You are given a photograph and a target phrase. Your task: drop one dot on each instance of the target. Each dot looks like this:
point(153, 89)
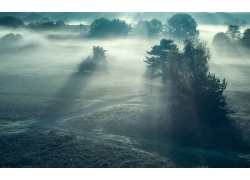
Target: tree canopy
point(105, 28)
point(233, 32)
point(158, 60)
point(11, 21)
point(246, 37)
point(182, 26)
point(220, 40)
point(199, 93)
point(147, 29)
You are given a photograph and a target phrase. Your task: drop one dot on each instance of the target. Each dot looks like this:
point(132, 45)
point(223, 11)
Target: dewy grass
point(55, 150)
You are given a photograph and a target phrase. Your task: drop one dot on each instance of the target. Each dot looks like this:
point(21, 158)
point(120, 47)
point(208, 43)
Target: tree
point(105, 28)
point(199, 93)
point(220, 40)
point(158, 59)
point(11, 21)
point(156, 26)
point(11, 39)
point(233, 32)
point(147, 29)
point(60, 23)
point(246, 38)
point(143, 29)
point(182, 26)
point(97, 62)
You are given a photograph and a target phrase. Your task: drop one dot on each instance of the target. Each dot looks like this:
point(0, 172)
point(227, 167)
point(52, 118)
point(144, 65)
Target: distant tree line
point(226, 41)
point(237, 21)
point(44, 24)
point(180, 26)
point(11, 21)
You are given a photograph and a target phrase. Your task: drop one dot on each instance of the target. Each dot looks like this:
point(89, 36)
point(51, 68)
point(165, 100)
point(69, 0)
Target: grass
point(59, 150)
point(125, 116)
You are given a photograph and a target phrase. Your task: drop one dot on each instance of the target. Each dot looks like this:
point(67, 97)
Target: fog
point(40, 89)
point(38, 50)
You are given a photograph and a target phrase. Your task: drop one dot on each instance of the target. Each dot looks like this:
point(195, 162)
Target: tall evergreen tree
point(158, 60)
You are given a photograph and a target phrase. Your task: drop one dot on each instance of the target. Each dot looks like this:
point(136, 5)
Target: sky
point(123, 6)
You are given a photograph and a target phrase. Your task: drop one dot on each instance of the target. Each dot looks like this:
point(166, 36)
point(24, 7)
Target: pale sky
point(119, 6)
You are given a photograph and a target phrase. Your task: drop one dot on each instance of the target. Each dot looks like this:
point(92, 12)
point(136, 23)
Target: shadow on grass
point(66, 97)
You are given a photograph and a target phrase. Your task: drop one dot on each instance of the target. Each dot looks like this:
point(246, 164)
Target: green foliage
point(199, 93)
point(105, 28)
point(246, 38)
point(97, 62)
point(220, 40)
point(46, 24)
point(182, 26)
point(11, 21)
point(158, 60)
point(151, 28)
point(11, 39)
point(233, 32)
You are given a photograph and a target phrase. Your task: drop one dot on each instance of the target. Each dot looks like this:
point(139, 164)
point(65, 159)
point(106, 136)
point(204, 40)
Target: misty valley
point(124, 90)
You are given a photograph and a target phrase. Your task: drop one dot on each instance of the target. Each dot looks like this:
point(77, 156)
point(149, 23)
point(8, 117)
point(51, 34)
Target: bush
point(96, 63)
point(11, 39)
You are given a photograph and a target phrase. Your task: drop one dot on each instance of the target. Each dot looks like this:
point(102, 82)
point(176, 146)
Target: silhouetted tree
point(158, 60)
point(221, 40)
point(246, 38)
point(156, 26)
point(142, 29)
point(182, 26)
point(233, 32)
point(11, 21)
point(199, 93)
point(221, 43)
point(147, 29)
point(105, 28)
point(97, 62)
point(60, 23)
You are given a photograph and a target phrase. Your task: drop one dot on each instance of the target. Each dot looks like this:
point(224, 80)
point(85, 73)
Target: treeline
point(178, 26)
point(44, 24)
point(225, 41)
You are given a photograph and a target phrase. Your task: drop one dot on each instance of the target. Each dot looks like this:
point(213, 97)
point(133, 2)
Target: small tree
point(97, 62)
point(11, 39)
point(220, 40)
point(158, 60)
point(246, 38)
point(233, 32)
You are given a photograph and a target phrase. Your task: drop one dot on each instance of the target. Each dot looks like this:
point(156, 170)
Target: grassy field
point(50, 116)
point(62, 119)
